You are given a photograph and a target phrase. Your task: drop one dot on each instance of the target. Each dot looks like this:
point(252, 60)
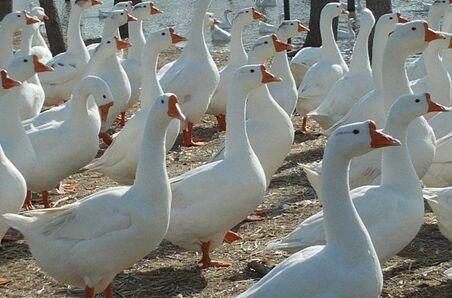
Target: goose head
point(18, 20)
point(118, 18)
point(410, 106)
point(110, 46)
point(39, 13)
point(87, 4)
point(333, 10)
point(357, 139)
point(164, 38)
point(144, 10)
point(439, 7)
point(252, 76)
point(388, 22)
point(247, 16)
point(166, 108)
point(267, 46)
point(101, 93)
point(210, 20)
point(24, 67)
point(291, 28)
point(413, 37)
point(7, 82)
point(123, 5)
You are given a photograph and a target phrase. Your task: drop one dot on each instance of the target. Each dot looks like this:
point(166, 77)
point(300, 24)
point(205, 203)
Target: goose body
point(226, 24)
point(440, 200)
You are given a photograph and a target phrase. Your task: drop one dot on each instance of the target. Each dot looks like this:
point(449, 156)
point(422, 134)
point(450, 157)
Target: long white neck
point(27, 39)
point(378, 49)
point(360, 62)
point(434, 19)
point(281, 66)
point(330, 50)
point(150, 85)
point(395, 80)
point(438, 76)
point(237, 143)
point(78, 110)
point(137, 39)
point(6, 46)
point(75, 42)
point(397, 169)
point(110, 29)
point(196, 47)
point(344, 229)
point(238, 53)
point(38, 40)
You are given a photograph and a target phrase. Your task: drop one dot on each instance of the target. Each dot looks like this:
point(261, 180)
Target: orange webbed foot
point(231, 237)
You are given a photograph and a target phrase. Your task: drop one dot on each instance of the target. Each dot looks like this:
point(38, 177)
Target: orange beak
point(302, 28)
point(279, 45)
point(433, 106)
point(30, 20)
point(96, 2)
point(122, 44)
point(379, 139)
point(176, 38)
point(401, 19)
point(268, 77)
point(131, 18)
point(45, 17)
point(104, 111)
point(257, 15)
point(216, 21)
point(430, 34)
point(174, 110)
point(344, 11)
point(7, 82)
point(40, 67)
point(155, 10)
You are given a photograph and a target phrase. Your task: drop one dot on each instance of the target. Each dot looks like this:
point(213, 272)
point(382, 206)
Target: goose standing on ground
point(353, 85)
point(268, 126)
point(331, 67)
point(193, 69)
point(237, 59)
point(13, 187)
point(113, 229)
point(285, 92)
point(132, 65)
point(330, 270)
point(11, 23)
point(407, 39)
point(209, 200)
point(119, 161)
point(69, 66)
point(393, 212)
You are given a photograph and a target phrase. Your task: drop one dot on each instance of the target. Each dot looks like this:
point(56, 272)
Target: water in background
point(178, 13)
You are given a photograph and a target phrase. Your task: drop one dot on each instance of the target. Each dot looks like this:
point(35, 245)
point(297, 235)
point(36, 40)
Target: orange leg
point(45, 199)
point(27, 204)
point(106, 138)
point(123, 119)
point(65, 188)
point(188, 137)
point(206, 261)
point(108, 292)
point(89, 292)
point(8, 238)
point(261, 211)
point(304, 122)
point(231, 237)
point(4, 281)
point(221, 122)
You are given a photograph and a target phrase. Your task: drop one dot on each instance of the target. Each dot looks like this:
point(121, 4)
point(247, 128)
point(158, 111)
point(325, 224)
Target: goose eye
point(413, 28)
point(417, 100)
point(252, 70)
point(19, 16)
point(356, 131)
point(391, 18)
point(247, 11)
point(266, 42)
point(25, 60)
point(104, 96)
point(163, 101)
point(108, 41)
point(291, 24)
point(163, 33)
point(122, 13)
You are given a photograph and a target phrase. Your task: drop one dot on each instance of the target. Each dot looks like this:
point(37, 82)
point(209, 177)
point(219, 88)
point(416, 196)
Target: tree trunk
point(53, 27)
point(124, 29)
point(314, 38)
point(6, 6)
point(378, 8)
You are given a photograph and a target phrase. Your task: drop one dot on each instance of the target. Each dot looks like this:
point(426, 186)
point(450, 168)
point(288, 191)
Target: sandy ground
point(170, 271)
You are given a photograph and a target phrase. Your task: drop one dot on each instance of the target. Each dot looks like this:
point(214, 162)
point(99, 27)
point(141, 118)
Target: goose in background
point(265, 3)
point(349, 34)
point(226, 24)
point(440, 200)
point(217, 34)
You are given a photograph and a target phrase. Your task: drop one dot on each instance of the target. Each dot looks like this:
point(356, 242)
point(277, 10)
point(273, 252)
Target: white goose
point(69, 66)
point(331, 67)
point(285, 92)
point(11, 23)
point(269, 128)
point(119, 161)
point(193, 69)
point(113, 229)
point(132, 65)
point(407, 39)
point(440, 200)
point(330, 270)
point(13, 187)
point(265, 3)
point(213, 198)
point(226, 24)
point(218, 35)
point(353, 85)
point(392, 212)
point(237, 59)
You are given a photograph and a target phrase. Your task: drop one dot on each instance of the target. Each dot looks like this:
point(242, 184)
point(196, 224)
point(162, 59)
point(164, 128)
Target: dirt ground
point(172, 272)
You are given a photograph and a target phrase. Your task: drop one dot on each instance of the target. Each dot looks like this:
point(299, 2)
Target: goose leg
point(231, 237)
point(206, 261)
point(123, 119)
point(304, 122)
point(65, 188)
point(106, 138)
point(27, 204)
point(89, 292)
point(45, 199)
point(221, 119)
point(108, 292)
point(188, 137)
